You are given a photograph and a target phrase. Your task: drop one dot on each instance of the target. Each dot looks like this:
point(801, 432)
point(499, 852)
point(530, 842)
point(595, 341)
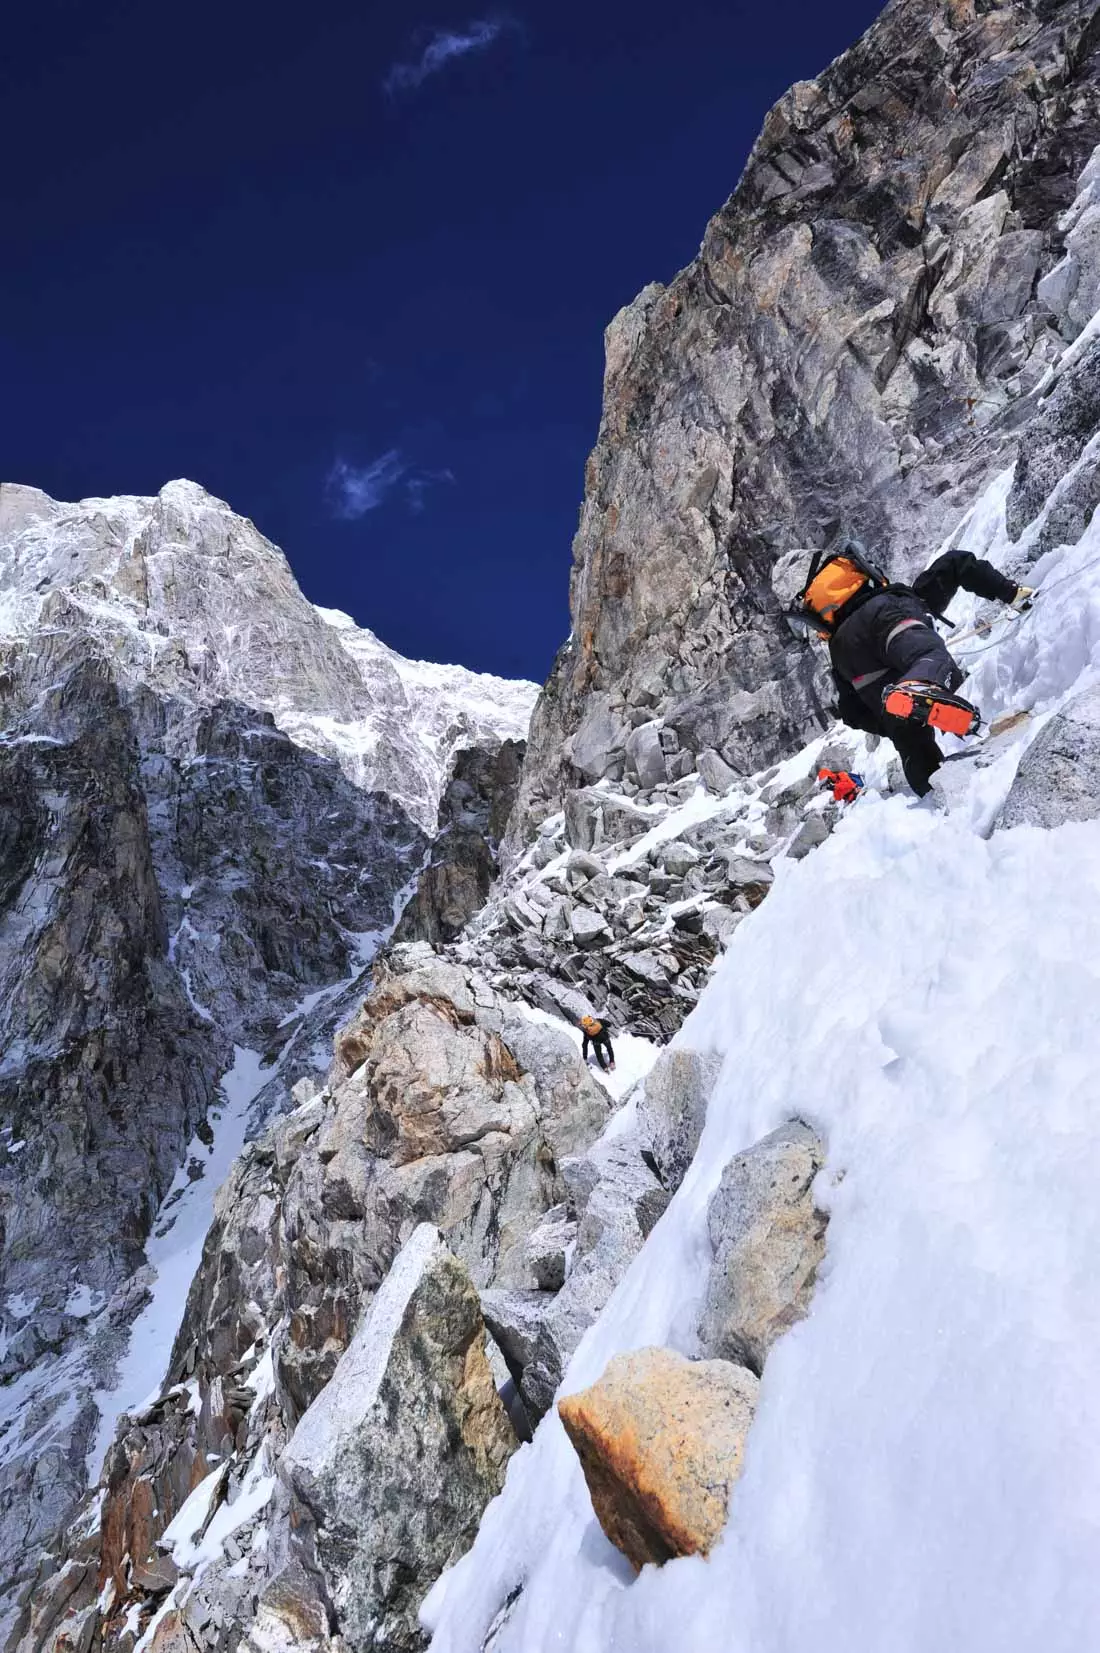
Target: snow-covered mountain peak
point(189, 598)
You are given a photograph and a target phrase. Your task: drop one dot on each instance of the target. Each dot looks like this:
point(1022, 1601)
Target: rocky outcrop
point(614, 1201)
point(463, 864)
point(632, 925)
point(860, 340)
point(673, 1109)
point(390, 1468)
point(431, 1116)
point(1059, 775)
point(661, 1440)
point(442, 1106)
point(769, 1241)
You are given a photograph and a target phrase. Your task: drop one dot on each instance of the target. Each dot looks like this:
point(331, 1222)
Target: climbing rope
point(983, 631)
point(983, 628)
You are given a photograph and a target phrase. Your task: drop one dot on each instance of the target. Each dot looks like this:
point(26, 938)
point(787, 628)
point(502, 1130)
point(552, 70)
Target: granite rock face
point(1059, 775)
point(857, 343)
point(769, 1241)
point(393, 1464)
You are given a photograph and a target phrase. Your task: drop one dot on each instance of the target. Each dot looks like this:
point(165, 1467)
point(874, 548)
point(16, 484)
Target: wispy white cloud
point(444, 46)
point(417, 486)
point(353, 490)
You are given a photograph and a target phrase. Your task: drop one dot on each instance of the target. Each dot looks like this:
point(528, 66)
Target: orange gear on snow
point(846, 788)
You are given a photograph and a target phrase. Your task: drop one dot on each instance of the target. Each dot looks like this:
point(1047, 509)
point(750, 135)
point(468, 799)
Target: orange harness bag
point(837, 582)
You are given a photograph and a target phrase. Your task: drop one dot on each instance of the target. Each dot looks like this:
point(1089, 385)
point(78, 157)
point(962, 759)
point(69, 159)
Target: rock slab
point(673, 1109)
point(768, 1241)
point(661, 1440)
point(1059, 775)
point(396, 1459)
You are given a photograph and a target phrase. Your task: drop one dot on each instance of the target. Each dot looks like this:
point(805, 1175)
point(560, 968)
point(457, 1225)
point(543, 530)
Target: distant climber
point(892, 670)
point(596, 1033)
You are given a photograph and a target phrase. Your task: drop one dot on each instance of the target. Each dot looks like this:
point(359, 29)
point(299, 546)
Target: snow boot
point(927, 703)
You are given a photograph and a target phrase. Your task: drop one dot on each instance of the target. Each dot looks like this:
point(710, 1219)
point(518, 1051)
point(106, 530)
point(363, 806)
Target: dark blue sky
point(349, 265)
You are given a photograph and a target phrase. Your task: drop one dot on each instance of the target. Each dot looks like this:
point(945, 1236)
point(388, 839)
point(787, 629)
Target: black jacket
point(882, 636)
point(603, 1037)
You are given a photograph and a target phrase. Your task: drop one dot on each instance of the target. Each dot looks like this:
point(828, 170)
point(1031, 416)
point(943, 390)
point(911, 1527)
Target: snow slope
point(924, 1468)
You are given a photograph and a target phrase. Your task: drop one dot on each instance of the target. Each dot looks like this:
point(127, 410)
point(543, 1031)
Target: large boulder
point(673, 1109)
point(715, 771)
point(1059, 775)
point(812, 833)
point(745, 877)
point(661, 1441)
point(589, 929)
point(548, 1248)
point(678, 858)
point(646, 757)
point(437, 1087)
point(769, 1240)
point(594, 817)
point(394, 1462)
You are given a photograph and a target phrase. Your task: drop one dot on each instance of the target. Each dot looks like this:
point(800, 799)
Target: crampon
point(928, 703)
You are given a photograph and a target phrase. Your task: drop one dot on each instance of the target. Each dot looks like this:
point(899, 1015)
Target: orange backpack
point(835, 580)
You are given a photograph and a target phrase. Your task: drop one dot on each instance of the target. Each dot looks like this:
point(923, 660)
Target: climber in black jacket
point(884, 647)
point(596, 1033)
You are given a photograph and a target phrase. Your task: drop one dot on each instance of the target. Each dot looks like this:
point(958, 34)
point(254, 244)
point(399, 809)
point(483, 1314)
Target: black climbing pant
point(601, 1044)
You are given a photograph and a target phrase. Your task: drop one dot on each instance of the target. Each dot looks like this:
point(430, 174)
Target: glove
point(1023, 598)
